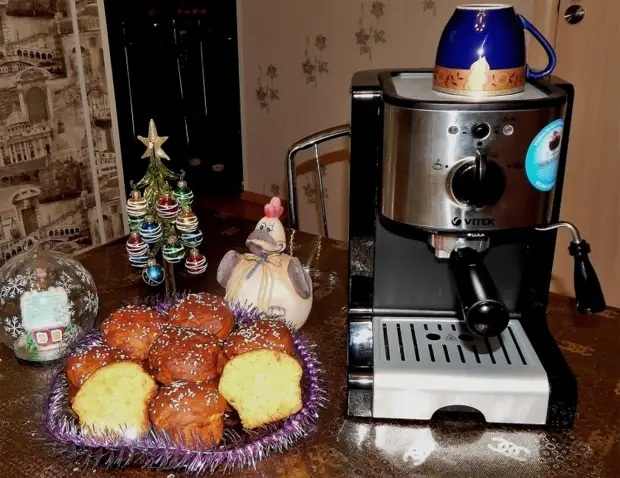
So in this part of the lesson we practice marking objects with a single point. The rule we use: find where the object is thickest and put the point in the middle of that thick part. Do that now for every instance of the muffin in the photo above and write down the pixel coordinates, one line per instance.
(260, 334)
(263, 386)
(115, 399)
(84, 363)
(191, 412)
(72, 392)
(203, 311)
(181, 354)
(133, 330)
(136, 312)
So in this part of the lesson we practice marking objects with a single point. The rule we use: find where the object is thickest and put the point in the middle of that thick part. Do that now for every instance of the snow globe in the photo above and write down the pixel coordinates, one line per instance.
(47, 300)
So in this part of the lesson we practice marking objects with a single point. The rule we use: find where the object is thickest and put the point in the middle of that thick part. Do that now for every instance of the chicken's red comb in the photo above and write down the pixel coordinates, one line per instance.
(274, 209)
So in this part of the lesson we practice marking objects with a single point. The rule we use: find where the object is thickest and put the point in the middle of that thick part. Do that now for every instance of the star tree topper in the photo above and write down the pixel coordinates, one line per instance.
(153, 143)
(157, 174)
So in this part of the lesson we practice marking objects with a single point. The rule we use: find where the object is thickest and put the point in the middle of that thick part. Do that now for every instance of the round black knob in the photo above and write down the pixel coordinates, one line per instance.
(487, 318)
(473, 189)
(480, 130)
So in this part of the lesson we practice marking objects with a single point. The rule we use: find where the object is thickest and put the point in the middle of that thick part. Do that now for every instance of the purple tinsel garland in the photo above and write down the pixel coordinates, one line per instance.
(158, 450)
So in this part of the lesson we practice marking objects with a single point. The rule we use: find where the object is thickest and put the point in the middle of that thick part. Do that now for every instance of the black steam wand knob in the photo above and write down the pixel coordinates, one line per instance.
(588, 291)
(482, 308)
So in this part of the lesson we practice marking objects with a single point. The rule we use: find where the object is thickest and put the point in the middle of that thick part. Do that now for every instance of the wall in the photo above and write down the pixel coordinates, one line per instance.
(297, 58)
(591, 197)
(58, 165)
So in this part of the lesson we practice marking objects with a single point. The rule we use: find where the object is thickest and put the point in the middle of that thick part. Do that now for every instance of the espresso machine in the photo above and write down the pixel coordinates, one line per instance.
(454, 211)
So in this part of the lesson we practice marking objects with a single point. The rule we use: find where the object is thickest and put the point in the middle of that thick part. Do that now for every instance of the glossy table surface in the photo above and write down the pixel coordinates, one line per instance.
(343, 447)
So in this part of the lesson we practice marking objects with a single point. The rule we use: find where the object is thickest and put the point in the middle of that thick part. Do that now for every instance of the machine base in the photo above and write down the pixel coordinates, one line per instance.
(425, 366)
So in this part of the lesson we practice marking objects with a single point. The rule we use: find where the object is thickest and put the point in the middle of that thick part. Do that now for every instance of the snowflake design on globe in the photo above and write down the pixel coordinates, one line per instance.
(13, 327)
(64, 262)
(70, 310)
(13, 287)
(4, 294)
(71, 334)
(16, 285)
(65, 282)
(83, 275)
(91, 302)
(29, 276)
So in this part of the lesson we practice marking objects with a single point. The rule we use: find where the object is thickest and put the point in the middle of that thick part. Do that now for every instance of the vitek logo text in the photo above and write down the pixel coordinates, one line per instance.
(471, 221)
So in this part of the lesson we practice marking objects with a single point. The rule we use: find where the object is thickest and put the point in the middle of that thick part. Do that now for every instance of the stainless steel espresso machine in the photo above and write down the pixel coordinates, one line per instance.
(454, 206)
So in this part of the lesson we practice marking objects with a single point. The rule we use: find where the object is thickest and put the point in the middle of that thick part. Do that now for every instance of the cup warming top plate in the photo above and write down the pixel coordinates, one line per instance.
(419, 86)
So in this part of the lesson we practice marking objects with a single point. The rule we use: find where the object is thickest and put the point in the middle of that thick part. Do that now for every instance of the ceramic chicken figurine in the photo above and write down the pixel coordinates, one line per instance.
(274, 282)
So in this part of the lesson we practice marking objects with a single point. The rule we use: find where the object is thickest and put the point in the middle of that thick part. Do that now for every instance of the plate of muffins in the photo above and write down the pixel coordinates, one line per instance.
(191, 384)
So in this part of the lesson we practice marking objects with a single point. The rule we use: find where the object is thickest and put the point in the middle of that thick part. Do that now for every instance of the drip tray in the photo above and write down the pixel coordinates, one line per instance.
(422, 366)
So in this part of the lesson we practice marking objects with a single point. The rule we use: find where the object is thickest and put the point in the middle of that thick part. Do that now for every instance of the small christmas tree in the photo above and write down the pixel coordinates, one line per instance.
(161, 219)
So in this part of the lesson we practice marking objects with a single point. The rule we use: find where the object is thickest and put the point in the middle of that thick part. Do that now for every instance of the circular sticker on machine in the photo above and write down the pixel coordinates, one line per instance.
(543, 156)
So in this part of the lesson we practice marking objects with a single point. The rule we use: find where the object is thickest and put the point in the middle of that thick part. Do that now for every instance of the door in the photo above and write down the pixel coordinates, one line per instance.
(29, 218)
(588, 58)
(175, 61)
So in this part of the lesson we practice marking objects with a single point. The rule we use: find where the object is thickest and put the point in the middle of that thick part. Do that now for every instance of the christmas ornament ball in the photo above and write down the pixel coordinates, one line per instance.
(151, 230)
(167, 207)
(47, 301)
(187, 220)
(173, 251)
(136, 205)
(183, 194)
(138, 261)
(134, 224)
(136, 246)
(153, 274)
(195, 263)
(192, 239)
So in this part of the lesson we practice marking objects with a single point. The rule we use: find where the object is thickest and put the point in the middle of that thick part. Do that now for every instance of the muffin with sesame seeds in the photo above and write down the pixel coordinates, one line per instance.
(191, 412)
(203, 311)
(83, 363)
(186, 354)
(263, 386)
(259, 334)
(115, 400)
(133, 330)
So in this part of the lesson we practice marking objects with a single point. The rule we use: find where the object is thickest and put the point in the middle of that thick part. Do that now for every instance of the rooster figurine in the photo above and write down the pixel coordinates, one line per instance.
(274, 282)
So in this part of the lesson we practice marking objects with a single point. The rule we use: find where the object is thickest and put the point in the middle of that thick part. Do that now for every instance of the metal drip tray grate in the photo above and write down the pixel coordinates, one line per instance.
(423, 365)
(449, 343)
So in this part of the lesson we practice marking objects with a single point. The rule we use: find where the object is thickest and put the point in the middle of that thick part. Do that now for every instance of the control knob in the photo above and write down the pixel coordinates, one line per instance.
(478, 182)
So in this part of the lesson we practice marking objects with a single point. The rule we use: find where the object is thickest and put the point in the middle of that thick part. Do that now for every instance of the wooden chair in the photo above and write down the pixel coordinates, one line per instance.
(311, 141)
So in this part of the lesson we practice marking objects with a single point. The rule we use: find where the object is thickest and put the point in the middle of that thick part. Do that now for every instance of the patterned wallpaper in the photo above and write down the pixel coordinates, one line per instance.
(59, 175)
(297, 58)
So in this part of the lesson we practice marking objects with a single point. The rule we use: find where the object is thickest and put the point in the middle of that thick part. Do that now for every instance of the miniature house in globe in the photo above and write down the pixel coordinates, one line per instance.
(47, 300)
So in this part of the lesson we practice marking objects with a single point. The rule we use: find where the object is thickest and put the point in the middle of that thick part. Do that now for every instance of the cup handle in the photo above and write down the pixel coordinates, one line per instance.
(529, 73)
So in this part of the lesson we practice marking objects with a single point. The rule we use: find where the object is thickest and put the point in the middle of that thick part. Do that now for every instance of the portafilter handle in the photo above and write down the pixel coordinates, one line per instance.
(483, 310)
(588, 291)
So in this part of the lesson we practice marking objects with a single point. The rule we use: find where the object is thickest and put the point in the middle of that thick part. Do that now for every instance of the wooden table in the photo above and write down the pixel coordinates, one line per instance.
(342, 446)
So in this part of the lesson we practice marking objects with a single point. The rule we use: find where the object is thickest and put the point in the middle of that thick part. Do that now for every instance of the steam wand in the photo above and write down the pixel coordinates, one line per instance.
(588, 292)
